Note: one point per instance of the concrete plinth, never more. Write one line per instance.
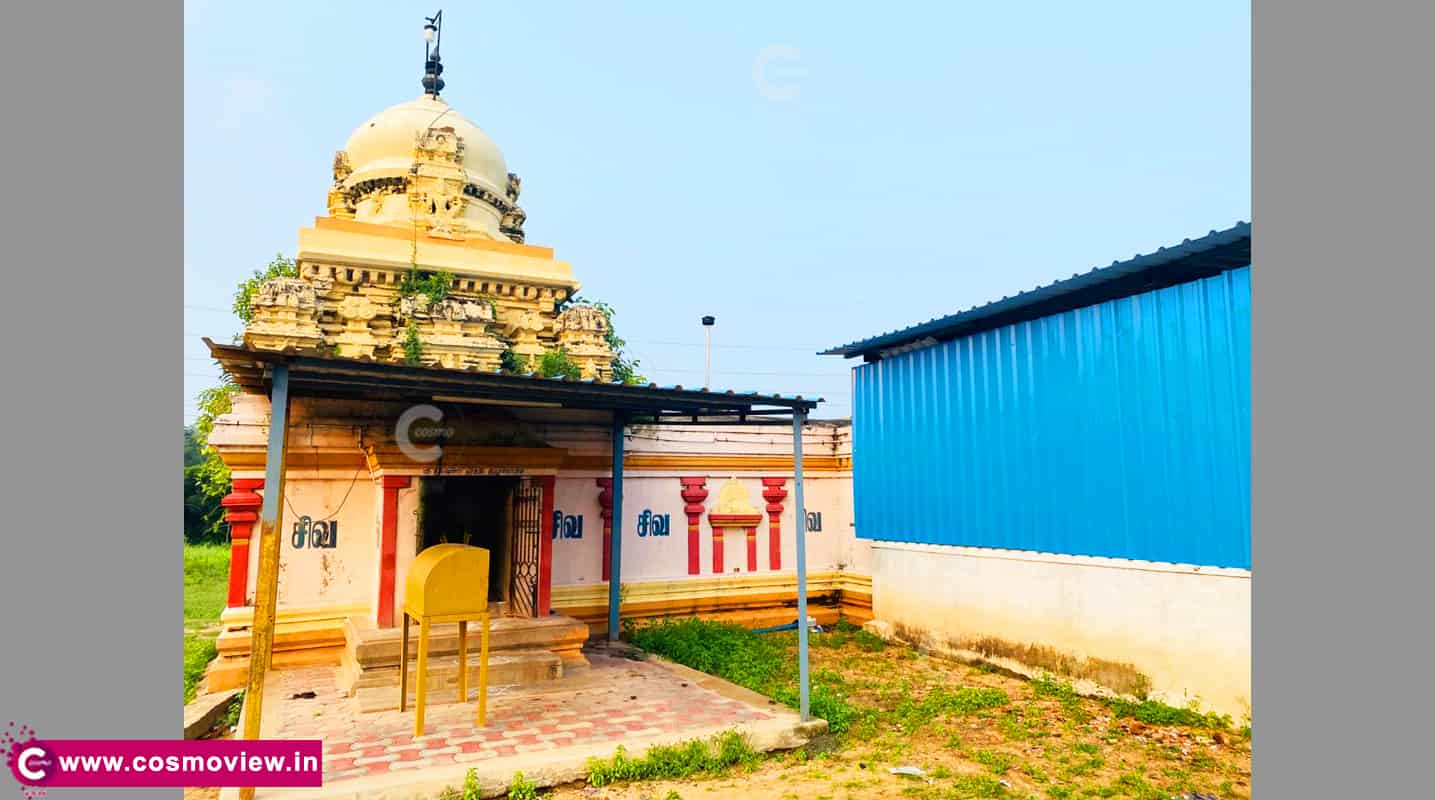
(522, 651)
(547, 730)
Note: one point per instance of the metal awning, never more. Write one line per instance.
(315, 374)
(284, 374)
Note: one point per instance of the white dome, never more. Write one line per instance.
(383, 147)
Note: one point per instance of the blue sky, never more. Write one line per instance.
(885, 166)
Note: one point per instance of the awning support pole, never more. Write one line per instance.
(615, 566)
(266, 590)
(799, 417)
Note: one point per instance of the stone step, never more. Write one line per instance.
(563, 635)
(378, 689)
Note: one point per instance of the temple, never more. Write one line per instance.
(406, 342)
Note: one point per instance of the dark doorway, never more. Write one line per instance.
(475, 510)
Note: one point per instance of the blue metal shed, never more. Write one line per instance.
(1105, 415)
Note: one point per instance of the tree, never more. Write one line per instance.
(206, 478)
(280, 267)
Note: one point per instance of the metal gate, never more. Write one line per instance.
(527, 530)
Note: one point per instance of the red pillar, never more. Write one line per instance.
(694, 493)
(605, 505)
(389, 545)
(241, 511)
(752, 549)
(774, 493)
(545, 546)
(717, 548)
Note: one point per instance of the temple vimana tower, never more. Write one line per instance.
(422, 259)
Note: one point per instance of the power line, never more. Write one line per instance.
(798, 348)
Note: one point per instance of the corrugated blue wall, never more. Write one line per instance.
(1120, 429)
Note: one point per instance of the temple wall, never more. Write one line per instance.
(579, 560)
(329, 480)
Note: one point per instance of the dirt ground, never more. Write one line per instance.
(1035, 745)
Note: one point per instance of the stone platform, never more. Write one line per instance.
(521, 651)
(547, 730)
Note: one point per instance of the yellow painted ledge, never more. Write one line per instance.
(251, 457)
(243, 616)
(745, 599)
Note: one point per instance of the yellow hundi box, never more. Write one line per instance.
(446, 583)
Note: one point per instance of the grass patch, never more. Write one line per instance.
(977, 786)
(911, 714)
(667, 762)
(994, 761)
(758, 662)
(206, 585)
(1154, 712)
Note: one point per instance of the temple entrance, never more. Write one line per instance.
(474, 510)
(500, 514)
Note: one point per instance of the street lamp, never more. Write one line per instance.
(708, 323)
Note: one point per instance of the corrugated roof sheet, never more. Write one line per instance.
(1192, 259)
(315, 372)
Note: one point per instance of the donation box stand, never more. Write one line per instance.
(446, 583)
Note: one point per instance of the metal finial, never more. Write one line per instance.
(433, 67)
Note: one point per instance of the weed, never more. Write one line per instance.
(413, 346)
(998, 763)
(1154, 712)
(869, 642)
(836, 639)
(977, 786)
(1035, 773)
(1063, 692)
(1059, 792)
(520, 788)
(198, 652)
(1202, 761)
(471, 790)
(674, 761)
(231, 714)
(911, 714)
(1132, 784)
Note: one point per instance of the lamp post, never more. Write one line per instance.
(433, 35)
(708, 323)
